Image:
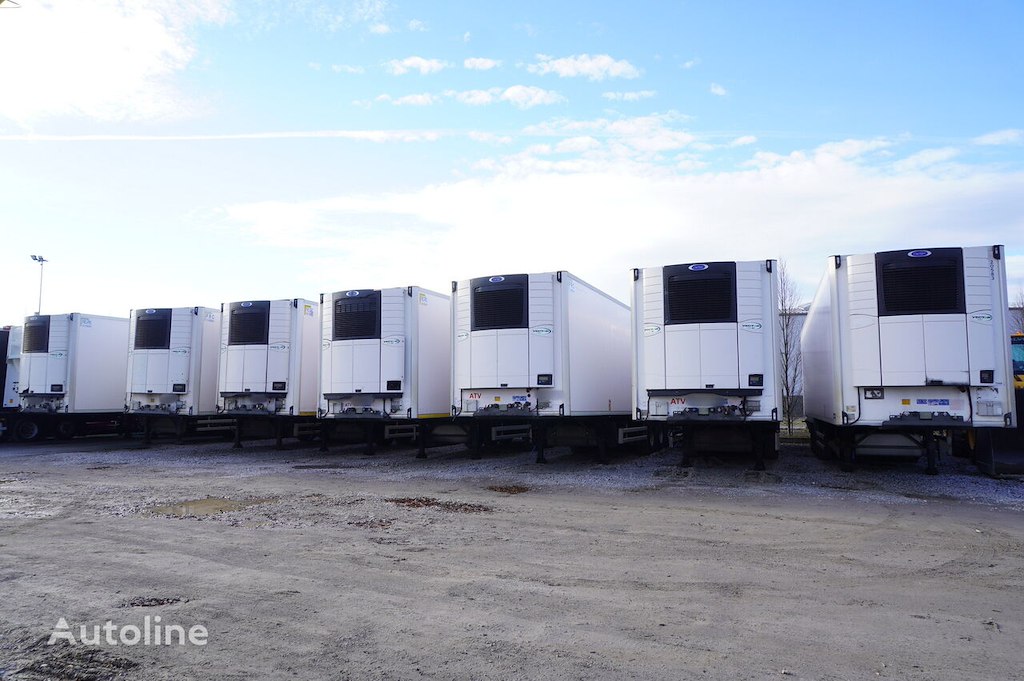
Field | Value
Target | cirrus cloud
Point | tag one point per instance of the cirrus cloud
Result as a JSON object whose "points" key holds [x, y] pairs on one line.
{"points": [[400, 67]]}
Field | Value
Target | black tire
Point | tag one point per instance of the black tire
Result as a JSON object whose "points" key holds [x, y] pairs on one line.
{"points": [[26, 430], [65, 429]]}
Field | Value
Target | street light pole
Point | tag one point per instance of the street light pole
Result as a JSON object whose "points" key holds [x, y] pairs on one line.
{"points": [[40, 259]]}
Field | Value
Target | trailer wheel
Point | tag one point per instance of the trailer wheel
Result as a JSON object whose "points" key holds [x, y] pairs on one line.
{"points": [[65, 429], [26, 430]]}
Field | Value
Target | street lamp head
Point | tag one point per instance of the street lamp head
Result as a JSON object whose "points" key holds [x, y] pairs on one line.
{"points": [[39, 259]]}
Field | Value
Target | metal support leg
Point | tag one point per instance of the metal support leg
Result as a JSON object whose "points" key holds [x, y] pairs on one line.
{"points": [[423, 434], [278, 434], [238, 434], [931, 447], [539, 435], [475, 443], [325, 435], [371, 445]]}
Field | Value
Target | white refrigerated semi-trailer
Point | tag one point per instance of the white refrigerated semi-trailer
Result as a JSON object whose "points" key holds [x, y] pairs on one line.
{"points": [[269, 358], [386, 361], [530, 348], [706, 359], [172, 361], [72, 371], [903, 347]]}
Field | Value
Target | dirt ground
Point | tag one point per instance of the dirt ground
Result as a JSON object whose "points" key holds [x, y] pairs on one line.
{"points": [[303, 565]]}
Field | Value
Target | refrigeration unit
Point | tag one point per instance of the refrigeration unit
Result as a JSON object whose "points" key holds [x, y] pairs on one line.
{"points": [[72, 371], [534, 354], [707, 364], [903, 348], [269, 358], [172, 361]]}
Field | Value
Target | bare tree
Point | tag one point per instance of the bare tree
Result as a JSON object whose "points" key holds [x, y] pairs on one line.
{"points": [[1017, 312], [790, 317]]}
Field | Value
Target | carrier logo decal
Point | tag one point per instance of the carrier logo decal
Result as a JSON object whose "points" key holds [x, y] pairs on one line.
{"points": [[982, 317], [462, 335], [279, 347], [542, 331], [393, 340], [423, 299], [150, 311], [308, 310], [181, 352], [652, 329], [59, 354], [752, 325], [697, 268], [326, 344], [919, 254], [352, 294], [86, 322], [496, 280], [246, 305], [210, 317]]}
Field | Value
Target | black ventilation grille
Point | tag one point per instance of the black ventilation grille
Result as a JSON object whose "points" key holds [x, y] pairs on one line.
{"points": [[36, 336], [700, 293], [249, 323], [920, 282], [153, 329], [500, 302], [356, 315]]}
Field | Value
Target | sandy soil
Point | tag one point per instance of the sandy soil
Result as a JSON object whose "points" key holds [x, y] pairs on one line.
{"points": [[304, 565]]}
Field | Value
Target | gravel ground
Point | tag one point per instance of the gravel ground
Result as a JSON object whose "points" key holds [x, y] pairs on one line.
{"points": [[346, 565]]}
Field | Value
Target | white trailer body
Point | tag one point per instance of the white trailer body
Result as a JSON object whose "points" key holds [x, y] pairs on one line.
{"points": [[12, 361], [386, 353], [73, 364], [538, 345], [706, 342], [269, 358], [172, 362], [910, 339]]}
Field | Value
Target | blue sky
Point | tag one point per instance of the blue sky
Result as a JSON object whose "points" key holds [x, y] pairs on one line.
{"points": [[168, 153]]}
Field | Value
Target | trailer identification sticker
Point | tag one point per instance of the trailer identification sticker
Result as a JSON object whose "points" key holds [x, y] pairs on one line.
{"points": [[541, 331], [752, 325], [652, 329], [933, 402]]}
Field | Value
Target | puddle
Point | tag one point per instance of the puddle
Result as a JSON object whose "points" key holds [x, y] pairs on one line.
{"points": [[450, 506], [208, 506], [149, 602], [509, 489]]}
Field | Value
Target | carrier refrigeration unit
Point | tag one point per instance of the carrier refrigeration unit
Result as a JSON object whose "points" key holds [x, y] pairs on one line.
{"points": [[269, 365], [706, 364], [385, 369], [903, 348], [541, 356], [172, 369], [72, 373]]}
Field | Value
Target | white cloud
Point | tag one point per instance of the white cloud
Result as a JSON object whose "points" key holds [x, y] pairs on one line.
{"points": [[528, 96], [362, 135], [576, 145], [466, 37], [743, 141], [345, 68], [637, 137], [489, 138], [481, 64], [925, 159], [1001, 137], [400, 67], [690, 64], [596, 67], [718, 90], [476, 97], [629, 96], [417, 26], [104, 60], [380, 29], [315, 66], [804, 209]]}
